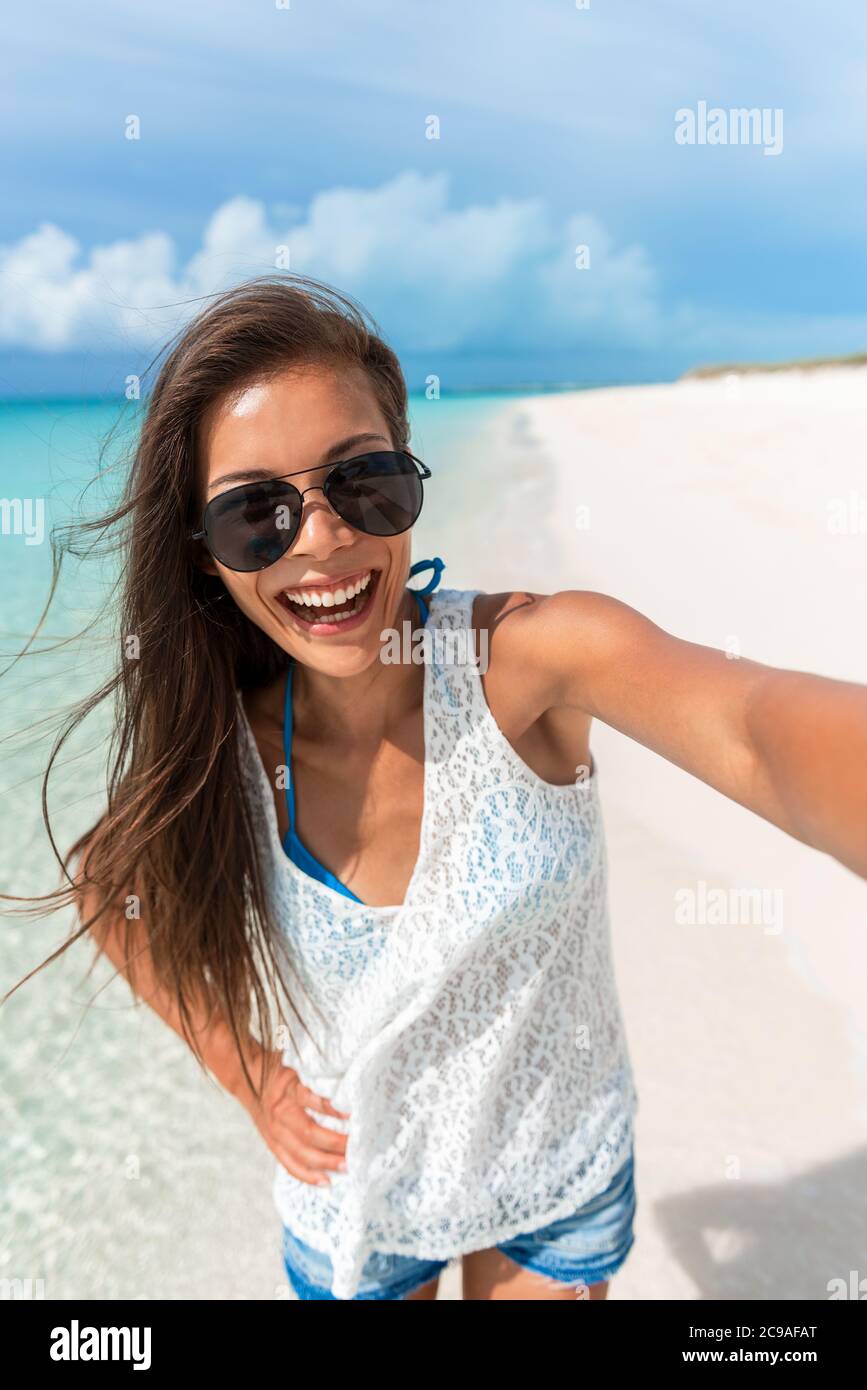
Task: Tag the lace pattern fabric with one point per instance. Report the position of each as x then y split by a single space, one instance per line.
473 1031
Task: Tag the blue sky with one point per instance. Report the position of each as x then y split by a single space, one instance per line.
306 127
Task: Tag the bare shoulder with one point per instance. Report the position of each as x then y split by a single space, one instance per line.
567 658
534 616
537 641
518 633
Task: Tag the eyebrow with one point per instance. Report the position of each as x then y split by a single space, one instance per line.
258 475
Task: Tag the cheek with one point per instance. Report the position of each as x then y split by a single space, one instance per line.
392 595
244 590
400 550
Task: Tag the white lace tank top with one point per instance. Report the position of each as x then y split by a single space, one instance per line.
473 1032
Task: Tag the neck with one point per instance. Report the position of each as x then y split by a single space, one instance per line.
360 708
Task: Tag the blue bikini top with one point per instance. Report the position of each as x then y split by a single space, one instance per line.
296 851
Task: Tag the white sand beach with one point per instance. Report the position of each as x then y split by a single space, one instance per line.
727 510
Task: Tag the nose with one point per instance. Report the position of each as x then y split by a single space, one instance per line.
319 522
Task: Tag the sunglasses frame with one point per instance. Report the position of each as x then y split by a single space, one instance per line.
202 533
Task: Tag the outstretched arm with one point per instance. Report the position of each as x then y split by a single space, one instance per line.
810 736
788 745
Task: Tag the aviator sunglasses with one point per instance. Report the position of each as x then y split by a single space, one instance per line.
250 527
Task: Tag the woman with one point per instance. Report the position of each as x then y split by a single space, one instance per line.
404 837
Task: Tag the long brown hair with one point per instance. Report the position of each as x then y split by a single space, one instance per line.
177 832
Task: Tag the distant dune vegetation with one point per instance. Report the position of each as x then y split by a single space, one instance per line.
804 364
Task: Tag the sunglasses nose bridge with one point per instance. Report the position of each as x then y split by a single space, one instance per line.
318 487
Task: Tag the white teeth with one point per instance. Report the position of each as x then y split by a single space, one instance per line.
327 598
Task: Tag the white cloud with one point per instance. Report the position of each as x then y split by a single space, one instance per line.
495 278
435 276
50 298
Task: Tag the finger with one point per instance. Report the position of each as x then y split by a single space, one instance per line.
312 1159
298 1169
317 1158
303 1137
312 1101
318 1136
295 1126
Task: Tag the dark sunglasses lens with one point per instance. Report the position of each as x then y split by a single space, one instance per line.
380 494
250 527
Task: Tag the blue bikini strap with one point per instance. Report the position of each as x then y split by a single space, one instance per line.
437 565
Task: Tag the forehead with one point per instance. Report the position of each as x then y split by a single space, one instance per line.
287 418
284 423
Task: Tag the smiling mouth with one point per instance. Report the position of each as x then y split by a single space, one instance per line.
319 607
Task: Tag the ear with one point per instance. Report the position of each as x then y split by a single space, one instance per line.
203 558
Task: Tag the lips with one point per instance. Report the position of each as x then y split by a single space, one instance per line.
321 610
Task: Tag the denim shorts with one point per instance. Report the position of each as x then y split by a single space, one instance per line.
586 1247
